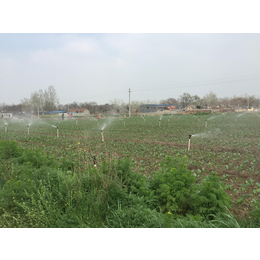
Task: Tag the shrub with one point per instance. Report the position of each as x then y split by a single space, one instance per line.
210 197
173 185
9 149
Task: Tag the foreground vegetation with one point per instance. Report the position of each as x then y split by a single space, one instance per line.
144 176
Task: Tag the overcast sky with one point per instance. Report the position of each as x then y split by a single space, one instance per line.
102 67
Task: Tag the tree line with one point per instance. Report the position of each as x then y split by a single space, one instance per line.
47 101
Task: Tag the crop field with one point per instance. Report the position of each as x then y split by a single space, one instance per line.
227 144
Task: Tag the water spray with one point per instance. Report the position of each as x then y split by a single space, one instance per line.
189 143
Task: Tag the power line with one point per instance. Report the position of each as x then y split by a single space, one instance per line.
202 83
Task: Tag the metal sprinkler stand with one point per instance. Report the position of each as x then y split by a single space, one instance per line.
57 131
189 143
94 161
28 129
102 135
5 127
206 124
124 122
159 122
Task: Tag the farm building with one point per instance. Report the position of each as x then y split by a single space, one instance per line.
191 107
6 115
55 113
153 108
79 112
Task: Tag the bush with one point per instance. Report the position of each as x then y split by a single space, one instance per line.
9 149
173 185
210 197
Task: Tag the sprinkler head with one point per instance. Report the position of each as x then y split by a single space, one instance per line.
57 127
101 130
190 136
28 125
206 119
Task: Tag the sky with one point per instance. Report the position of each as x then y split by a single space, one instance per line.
102 67
157 57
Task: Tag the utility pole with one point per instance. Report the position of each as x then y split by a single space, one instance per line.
129 104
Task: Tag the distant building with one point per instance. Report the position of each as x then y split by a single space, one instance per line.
55 113
79 112
191 107
6 115
153 108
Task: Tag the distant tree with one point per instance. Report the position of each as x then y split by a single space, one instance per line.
53 98
169 101
197 101
185 99
210 99
36 102
26 105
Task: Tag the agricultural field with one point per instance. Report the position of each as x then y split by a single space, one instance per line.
226 144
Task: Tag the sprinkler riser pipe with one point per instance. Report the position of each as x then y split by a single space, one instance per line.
159 123
57 132
5 128
189 145
102 136
28 130
124 122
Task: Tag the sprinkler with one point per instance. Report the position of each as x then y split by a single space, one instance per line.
124 121
189 143
160 122
57 129
28 129
206 124
102 135
6 127
94 161
76 121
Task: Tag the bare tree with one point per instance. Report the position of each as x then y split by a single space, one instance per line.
210 99
185 99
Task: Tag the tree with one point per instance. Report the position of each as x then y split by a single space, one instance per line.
185 99
169 101
210 99
52 98
36 102
197 101
26 105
